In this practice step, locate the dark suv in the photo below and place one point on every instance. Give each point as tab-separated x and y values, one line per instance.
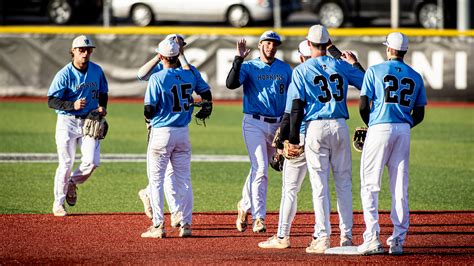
58	11
333	13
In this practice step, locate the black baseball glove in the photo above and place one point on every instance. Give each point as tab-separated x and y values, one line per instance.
205	111
277	161
359	138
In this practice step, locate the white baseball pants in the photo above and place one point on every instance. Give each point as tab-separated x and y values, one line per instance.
258	136
328	146
169	145
293	174
386	145
68	136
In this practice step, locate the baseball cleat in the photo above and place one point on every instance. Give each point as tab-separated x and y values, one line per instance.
259	226
176	219
185	230
155	232
241	222
146	203
346	241
396	247
373	246
59	211
318	245
276	242
71	195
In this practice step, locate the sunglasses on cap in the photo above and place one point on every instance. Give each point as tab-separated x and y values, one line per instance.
84	49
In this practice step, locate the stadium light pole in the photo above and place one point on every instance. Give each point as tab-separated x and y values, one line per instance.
394	14
441	14
463	20
276	14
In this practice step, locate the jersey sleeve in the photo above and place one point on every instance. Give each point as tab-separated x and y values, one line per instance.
58	85
296	88
354	75
367	88
151	93
243	75
421	99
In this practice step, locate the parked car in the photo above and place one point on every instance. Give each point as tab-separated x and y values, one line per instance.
238	13
58	11
333	13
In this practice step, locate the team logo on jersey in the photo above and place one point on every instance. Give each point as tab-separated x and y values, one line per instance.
398	69
324	67
178	77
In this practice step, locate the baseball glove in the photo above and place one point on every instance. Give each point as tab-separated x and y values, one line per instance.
277	141
205	111
359	138
277	161
95	126
286	153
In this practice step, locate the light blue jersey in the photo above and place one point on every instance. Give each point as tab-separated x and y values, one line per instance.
265	87
322	83
201	84
170	91
395	89
70	84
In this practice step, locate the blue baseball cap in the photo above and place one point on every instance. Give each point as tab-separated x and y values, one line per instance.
270	36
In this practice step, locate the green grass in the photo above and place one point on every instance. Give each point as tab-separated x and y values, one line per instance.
441	163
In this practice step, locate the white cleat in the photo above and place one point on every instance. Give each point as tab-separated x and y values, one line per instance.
241	222
371	247
59	211
176	219
146	203
259	226
185	230
276	242
318	245
155	232
396	247
346	241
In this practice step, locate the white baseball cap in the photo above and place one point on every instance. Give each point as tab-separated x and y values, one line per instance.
304	49
174	36
397	41
270	36
168	48
82	41
318	34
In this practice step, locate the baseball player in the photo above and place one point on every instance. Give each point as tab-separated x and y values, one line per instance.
392	101
176	201
168	106
318	94
265	83
294	170
77	89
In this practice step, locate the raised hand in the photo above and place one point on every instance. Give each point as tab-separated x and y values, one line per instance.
242	49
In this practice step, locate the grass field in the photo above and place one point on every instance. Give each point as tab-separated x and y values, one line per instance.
441	173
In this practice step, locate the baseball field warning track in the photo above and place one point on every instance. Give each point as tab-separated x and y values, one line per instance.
434	237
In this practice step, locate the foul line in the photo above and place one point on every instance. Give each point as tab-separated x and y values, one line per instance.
113	158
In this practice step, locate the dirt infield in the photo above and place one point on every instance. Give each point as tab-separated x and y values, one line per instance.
434	238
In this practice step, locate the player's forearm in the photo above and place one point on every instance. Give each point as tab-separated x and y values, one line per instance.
103	99
207	95
296	118
232	81
418	115
334	51
149	111
364	109
284	129
145	71
58	104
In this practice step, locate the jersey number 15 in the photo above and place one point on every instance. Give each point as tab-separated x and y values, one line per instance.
184	93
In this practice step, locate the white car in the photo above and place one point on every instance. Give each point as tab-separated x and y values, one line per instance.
239	13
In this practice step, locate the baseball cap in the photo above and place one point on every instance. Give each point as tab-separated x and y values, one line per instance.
174	36
318	34
82	41
270	36
168	48
397	41
304	49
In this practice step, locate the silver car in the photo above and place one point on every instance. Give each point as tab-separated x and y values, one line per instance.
238	13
